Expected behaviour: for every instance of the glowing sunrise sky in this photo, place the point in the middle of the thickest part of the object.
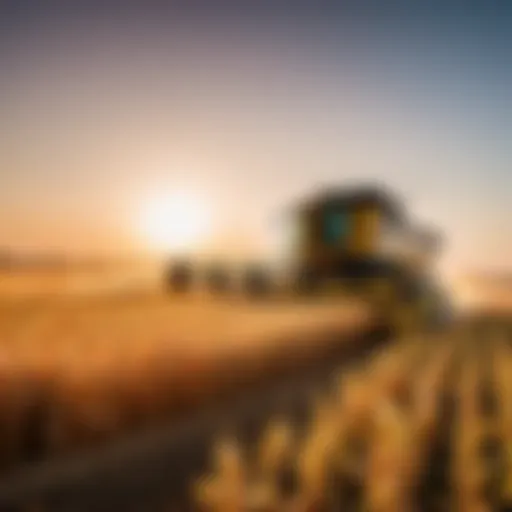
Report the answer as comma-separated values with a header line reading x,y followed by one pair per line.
x,y
102,107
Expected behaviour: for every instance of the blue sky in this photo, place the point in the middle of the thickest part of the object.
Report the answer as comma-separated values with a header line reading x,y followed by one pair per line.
x,y
253,103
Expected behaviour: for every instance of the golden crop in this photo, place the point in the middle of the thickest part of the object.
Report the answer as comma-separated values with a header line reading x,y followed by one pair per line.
x,y
77,372
382,427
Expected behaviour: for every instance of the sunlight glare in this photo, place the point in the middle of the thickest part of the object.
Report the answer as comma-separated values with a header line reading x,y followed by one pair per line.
x,y
177,221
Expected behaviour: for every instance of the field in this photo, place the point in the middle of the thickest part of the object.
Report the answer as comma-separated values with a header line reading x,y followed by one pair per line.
x,y
78,371
423,424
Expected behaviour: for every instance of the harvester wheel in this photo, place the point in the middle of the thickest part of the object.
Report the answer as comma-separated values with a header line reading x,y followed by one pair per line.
x,y
308,282
426,306
218,280
257,282
180,277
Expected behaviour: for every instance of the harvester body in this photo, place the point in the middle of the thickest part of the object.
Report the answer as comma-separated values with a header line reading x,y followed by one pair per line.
x,y
360,234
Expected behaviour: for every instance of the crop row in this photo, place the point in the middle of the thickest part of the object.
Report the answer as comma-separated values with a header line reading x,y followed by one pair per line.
x,y
425,424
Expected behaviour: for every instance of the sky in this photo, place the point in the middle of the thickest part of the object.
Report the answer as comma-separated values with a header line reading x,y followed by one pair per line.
x,y
107,105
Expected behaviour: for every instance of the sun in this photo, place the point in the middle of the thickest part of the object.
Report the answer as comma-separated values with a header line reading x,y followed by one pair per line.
x,y
176,221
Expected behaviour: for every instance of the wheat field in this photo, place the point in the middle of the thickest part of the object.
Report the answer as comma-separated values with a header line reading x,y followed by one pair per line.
x,y
424,424
408,429
77,371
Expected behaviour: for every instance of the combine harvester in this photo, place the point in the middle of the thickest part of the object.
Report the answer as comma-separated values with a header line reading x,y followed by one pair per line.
x,y
358,241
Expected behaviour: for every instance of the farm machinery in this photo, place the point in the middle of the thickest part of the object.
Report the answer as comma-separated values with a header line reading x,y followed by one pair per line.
x,y
356,240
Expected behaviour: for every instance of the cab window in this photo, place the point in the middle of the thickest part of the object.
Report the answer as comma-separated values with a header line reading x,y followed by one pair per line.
x,y
335,227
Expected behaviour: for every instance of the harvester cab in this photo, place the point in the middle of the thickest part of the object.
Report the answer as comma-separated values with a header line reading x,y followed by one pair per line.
x,y
357,234
362,240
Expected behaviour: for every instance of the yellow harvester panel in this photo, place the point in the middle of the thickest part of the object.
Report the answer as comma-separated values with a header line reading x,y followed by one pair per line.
x,y
366,230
